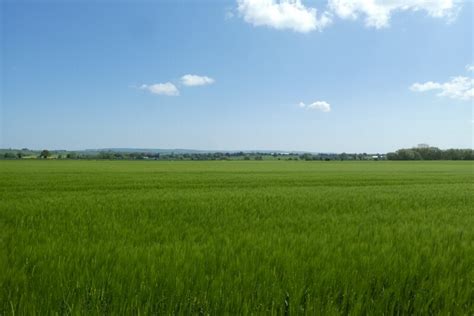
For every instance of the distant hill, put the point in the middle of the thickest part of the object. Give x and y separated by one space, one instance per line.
185 151
148 150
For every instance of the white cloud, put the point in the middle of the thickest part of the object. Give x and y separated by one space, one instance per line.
294 15
166 88
460 88
377 13
195 80
427 86
470 67
322 106
285 14
170 89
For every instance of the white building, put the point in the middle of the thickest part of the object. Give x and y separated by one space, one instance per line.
423 146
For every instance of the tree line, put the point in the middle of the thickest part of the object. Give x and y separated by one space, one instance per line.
117 155
431 153
426 153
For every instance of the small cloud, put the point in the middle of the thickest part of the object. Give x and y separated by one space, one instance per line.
166 88
195 80
285 14
460 88
427 86
470 67
322 106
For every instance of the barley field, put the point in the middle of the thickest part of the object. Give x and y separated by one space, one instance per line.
236 237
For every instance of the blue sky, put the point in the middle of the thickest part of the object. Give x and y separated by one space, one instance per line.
321 76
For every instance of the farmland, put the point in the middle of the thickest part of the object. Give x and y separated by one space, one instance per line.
215 237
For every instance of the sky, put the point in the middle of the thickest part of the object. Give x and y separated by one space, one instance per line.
319 76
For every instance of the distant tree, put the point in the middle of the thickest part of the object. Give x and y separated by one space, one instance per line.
431 153
306 157
45 154
392 156
104 155
408 154
19 155
9 155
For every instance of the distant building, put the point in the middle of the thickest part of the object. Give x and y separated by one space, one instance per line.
423 146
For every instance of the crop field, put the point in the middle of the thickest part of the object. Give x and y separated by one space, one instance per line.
236 237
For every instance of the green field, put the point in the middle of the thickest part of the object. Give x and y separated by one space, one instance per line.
238 237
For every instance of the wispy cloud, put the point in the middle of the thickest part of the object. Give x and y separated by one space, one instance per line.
470 67
195 80
377 13
166 88
229 13
322 106
460 88
285 14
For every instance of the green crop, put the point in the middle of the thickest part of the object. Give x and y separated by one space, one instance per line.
236 237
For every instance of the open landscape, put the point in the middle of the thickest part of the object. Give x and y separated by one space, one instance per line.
237 157
245 237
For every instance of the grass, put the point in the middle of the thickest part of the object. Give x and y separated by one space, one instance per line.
239 237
